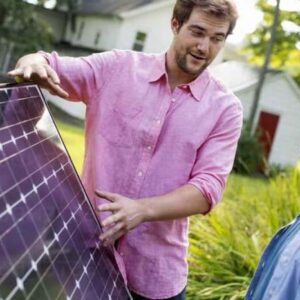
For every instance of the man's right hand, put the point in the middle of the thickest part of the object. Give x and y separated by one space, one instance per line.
35 67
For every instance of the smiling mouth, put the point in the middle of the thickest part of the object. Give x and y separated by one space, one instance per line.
198 57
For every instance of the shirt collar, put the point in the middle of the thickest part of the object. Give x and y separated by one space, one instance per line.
197 87
159 68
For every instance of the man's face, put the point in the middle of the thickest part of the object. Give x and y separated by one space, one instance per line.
198 41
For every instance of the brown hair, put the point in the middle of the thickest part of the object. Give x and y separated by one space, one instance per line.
225 9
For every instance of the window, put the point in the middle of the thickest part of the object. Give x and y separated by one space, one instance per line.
97 38
80 30
140 40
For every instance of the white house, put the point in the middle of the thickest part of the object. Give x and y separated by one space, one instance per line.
142 25
278 111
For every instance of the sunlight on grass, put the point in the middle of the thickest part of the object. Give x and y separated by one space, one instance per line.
73 137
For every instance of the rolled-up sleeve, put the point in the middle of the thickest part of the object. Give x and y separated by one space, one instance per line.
216 156
82 77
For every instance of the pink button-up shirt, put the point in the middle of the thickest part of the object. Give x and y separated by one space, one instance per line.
144 140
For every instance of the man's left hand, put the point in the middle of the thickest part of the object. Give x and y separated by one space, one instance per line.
126 215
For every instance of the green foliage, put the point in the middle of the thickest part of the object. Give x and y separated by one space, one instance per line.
20 24
274 170
249 155
226 245
285 54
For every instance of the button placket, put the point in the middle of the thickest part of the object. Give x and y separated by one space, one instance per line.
148 147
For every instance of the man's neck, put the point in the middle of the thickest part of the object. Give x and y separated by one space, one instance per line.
176 76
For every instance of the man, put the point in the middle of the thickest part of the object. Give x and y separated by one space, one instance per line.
277 276
161 136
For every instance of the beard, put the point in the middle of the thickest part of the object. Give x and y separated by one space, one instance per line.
182 62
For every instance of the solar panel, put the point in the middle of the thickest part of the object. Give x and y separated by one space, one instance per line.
49 246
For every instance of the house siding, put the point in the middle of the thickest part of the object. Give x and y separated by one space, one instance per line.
108 27
278 97
156 24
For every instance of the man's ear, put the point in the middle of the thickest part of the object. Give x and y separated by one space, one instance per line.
174 25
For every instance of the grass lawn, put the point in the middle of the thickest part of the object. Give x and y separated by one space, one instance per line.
72 132
73 137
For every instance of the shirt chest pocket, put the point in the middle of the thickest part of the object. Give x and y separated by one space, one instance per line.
119 122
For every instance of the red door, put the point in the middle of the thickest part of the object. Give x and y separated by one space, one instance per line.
267 126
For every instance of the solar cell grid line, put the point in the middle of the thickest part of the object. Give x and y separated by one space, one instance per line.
56 237
49 247
94 288
106 284
22 199
46 249
37 186
21 278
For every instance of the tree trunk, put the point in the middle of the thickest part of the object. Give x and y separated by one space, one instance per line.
265 66
7 57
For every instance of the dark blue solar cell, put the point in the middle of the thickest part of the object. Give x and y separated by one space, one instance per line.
49 247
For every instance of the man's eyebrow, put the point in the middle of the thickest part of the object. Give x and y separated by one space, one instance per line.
198 27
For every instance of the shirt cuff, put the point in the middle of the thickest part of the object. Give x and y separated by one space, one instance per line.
211 194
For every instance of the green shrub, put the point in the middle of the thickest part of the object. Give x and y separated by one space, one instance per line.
226 245
249 156
274 170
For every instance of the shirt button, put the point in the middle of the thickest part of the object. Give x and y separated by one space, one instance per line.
173 100
158 122
149 148
140 174
270 292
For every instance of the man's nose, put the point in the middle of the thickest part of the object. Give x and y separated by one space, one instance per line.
203 45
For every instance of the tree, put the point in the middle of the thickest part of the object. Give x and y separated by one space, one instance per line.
286 52
264 69
70 6
21 30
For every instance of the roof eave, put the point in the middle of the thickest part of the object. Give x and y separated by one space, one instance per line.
244 86
145 8
101 15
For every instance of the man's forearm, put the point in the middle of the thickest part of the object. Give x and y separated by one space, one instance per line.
128 213
182 202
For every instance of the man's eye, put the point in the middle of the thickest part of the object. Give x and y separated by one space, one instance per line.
197 33
218 39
